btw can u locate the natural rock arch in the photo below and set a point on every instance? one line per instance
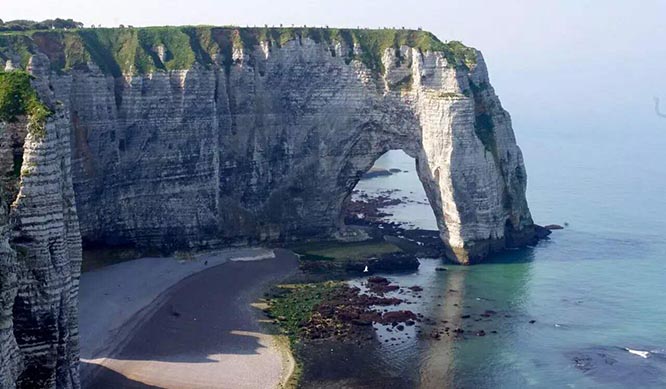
(245, 135)
(270, 155)
(267, 147)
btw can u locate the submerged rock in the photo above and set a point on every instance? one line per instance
(378, 280)
(541, 232)
(376, 173)
(617, 367)
(398, 316)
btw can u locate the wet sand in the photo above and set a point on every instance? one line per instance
(201, 333)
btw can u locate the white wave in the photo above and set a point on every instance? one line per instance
(642, 354)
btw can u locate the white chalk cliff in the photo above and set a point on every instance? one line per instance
(203, 137)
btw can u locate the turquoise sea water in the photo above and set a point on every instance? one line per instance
(593, 289)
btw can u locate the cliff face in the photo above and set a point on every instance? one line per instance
(40, 251)
(184, 137)
(254, 135)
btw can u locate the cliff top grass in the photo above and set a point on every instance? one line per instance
(119, 51)
(18, 98)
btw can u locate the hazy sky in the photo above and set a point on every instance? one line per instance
(594, 65)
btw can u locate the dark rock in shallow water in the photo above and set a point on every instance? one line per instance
(378, 280)
(541, 232)
(395, 170)
(394, 262)
(360, 322)
(617, 366)
(376, 173)
(553, 227)
(382, 288)
(397, 316)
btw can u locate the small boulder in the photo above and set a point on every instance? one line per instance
(360, 322)
(378, 280)
(398, 316)
(541, 232)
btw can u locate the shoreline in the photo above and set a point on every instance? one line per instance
(114, 355)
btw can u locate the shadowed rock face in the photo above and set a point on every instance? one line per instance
(40, 260)
(255, 142)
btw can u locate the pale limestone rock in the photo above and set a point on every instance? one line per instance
(160, 50)
(39, 290)
(271, 149)
(264, 149)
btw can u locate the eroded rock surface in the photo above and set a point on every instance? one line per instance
(267, 145)
(40, 253)
(201, 137)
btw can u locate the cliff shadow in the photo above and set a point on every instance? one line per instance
(107, 378)
(206, 319)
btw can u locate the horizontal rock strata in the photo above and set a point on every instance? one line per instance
(168, 138)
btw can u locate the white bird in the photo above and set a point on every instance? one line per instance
(366, 269)
(642, 354)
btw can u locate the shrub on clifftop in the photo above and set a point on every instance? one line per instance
(17, 98)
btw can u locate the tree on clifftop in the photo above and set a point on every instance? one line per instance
(23, 25)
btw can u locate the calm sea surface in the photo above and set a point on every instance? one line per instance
(594, 290)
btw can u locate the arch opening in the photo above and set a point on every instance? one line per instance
(391, 191)
(389, 201)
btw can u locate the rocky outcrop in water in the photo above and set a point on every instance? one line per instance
(202, 137)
